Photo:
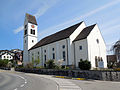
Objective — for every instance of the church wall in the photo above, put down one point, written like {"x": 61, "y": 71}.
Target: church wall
{"x": 81, "y": 51}
{"x": 72, "y": 37}
{"x": 96, "y": 47}
{"x": 48, "y": 51}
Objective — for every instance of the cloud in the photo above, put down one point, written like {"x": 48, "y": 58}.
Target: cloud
{"x": 18, "y": 29}
{"x": 70, "y": 22}
{"x": 110, "y": 23}
{"x": 45, "y": 6}
{"x": 112, "y": 29}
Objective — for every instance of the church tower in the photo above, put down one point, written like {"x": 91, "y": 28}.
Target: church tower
{"x": 30, "y": 35}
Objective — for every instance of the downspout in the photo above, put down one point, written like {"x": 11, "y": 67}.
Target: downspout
{"x": 67, "y": 52}
{"x": 42, "y": 56}
{"x": 74, "y": 54}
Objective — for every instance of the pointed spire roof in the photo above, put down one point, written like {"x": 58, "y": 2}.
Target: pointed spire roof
{"x": 31, "y": 19}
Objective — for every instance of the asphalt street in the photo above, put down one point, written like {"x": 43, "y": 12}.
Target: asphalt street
{"x": 21, "y": 81}
{"x": 10, "y": 80}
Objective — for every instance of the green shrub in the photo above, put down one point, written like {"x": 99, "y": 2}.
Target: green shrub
{"x": 4, "y": 63}
{"x": 40, "y": 67}
{"x": 50, "y": 64}
{"x": 84, "y": 65}
{"x": 29, "y": 65}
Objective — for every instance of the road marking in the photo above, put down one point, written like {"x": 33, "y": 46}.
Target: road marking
{"x": 25, "y": 81}
{"x": 63, "y": 84}
{"x": 15, "y": 89}
{"x": 22, "y": 85}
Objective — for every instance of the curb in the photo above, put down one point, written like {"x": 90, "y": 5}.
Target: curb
{"x": 65, "y": 77}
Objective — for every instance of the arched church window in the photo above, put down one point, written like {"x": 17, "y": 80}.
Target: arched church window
{"x": 97, "y": 40}
{"x": 32, "y": 41}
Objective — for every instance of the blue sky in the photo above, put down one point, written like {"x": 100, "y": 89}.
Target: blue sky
{"x": 54, "y": 15}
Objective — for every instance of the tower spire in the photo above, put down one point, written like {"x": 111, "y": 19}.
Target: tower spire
{"x": 30, "y": 35}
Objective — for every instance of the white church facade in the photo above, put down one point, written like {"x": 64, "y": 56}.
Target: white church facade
{"x": 70, "y": 45}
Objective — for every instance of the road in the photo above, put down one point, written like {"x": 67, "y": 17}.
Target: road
{"x": 10, "y": 80}
{"x": 22, "y": 81}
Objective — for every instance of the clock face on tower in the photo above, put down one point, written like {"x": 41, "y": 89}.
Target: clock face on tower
{"x": 32, "y": 26}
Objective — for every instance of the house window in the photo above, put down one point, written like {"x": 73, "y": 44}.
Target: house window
{"x": 53, "y": 55}
{"x": 63, "y": 46}
{"x": 7, "y": 56}
{"x": 53, "y": 49}
{"x": 25, "y": 32}
{"x": 64, "y": 55}
{"x": 97, "y": 40}
{"x": 32, "y": 41}
{"x": 80, "y": 47}
{"x": 4, "y": 56}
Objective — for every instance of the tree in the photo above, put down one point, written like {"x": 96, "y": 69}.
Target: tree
{"x": 116, "y": 49}
{"x": 84, "y": 65}
{"x": 50, "y": 64}
{"x": 37, "y": 61}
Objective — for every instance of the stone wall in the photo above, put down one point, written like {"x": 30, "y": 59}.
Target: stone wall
{"x": 90, "y": 74}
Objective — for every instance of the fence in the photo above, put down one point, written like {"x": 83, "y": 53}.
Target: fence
{"x": 90, "y": 74}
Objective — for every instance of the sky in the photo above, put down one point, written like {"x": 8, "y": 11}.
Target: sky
{"x": 55, "y": 15}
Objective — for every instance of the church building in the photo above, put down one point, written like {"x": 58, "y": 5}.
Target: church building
{"x": 70, "y": 45}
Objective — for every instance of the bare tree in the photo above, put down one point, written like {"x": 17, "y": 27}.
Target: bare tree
{"x": 116, "y": 49}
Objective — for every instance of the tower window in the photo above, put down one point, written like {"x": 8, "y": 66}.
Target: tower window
{"x": 32, "y": 31}
{"x": 25, "y": 32}
{"x": 25, "y": 26}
